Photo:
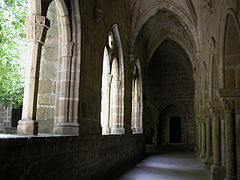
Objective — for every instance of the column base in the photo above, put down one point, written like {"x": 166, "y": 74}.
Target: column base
{"x": 105, "y": 130}
{"x": 27, "y": 127}
{"x": 202, "y": 156}
{"x": 66, "y": 129}
{"x": 137, "y": 130}
{"x": 208, "y": 163}
{"x": 117, "y": 131}
{"x": 217, "y": 172}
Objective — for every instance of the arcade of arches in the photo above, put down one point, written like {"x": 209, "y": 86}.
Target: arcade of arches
{"x": 107, "y": 77}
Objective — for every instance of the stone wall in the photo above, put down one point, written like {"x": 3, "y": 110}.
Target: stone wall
{"x": 83, "y": 157}
{"x": 94, "y": 36}
{"x": 169, "y": 88}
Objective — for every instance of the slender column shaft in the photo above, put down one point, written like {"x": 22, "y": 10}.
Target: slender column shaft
{"x": 217, "y": 171}
{"x": 216, "y": 143}
{"x": 115, "y": 119}
{"x": 64, "y": 123}
{"x": 203, "y": 149}
{"x": 237, "y": 111}
{"x": 199, "y": 137}
{"x": 105, "y": 112}
{"x": 231, "y": 168}
{"x": 37, "y": 28}
{"x": 208, "y": 140}
{"x": 223, "y": 142}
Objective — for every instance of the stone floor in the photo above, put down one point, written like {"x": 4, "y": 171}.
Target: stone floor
{"x": 168, "y": 166}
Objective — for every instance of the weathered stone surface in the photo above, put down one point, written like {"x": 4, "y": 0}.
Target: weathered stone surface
{"x": 84, "y": 157}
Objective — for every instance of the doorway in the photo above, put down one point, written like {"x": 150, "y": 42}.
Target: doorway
{"x": 175, "y": 130}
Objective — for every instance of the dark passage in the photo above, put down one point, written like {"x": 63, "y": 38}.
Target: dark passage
{"x": 175, "y": 130}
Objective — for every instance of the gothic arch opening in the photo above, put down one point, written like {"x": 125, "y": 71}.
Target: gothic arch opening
{"x": 169, "y": 81}
{"x": 172, "y": 125}
{"x": 232, "y": 54}
{"x": 48, "y": 98}
{"x": 48, "y": 74}
{"x": 112, "y": 85}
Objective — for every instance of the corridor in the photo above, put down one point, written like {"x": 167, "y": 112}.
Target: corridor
{"x": 168, "y": 166}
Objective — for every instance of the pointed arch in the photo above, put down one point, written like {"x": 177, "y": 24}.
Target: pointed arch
{"x": 228, "y": 17}
{"x": 185, "y": 19}
{"x": 174, "y": 38}
{"x": 63, "y": 123}
{"x": 231, "y": 52}
{"x": 112, "y": 99}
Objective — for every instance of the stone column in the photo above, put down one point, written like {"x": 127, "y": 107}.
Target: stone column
{"x": 203, "y": 149}
{"x": 208, "y": 160}
{"x": 199, "y": 137}
{"x": 37, "y": 29}
{"x": 116, "y": 127}
{"x": 217, "y": 171}
{"x": 134, "y": 111}
{"x": 231, "y": 168}
{"x": 237, "y": 111}
{"x": 136, "y": 129}
{"x": 62, "y": 123}
{"x": 223, "y": 141}
{"x": 106, "y": 100}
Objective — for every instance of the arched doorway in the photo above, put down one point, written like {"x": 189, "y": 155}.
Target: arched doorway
{"x": 170, "y": 86}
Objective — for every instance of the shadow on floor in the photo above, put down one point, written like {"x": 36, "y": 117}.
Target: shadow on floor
{"x": 163, "y": 165}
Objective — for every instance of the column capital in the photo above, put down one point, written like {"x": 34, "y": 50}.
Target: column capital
{"x": 132, "y": 60}
{"x": 37, "y": 28}
{"x": 215, "y": 108}
{"x": 228, "y": 98}
{"x": 229, "y": 105}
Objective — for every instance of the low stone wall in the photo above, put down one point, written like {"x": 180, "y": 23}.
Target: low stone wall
{"x": 67, "y": 157}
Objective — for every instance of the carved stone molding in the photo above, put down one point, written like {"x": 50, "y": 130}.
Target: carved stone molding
{"x": 229, "y": 98}
{"x": 132, "y": 61}
{"x": 215, "y": 109}
{"x": 229, "y": 105}
{"x": 208, "y": 5}
{"x": 37, "y": 28}
{"x": 67, "y": 49}
{"x": 216, "y": 113}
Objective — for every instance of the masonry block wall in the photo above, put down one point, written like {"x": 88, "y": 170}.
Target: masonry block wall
{"x": 169, "y": 87}
{"x": 48, "y": 74}
{"x": 67, "y": 158}
{"x": 94, "y": 37}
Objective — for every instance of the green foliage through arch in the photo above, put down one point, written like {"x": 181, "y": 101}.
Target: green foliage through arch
{"x": 12, "y": 50}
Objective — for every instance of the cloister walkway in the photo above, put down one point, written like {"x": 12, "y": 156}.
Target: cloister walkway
{"x": 168, "y": 166}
